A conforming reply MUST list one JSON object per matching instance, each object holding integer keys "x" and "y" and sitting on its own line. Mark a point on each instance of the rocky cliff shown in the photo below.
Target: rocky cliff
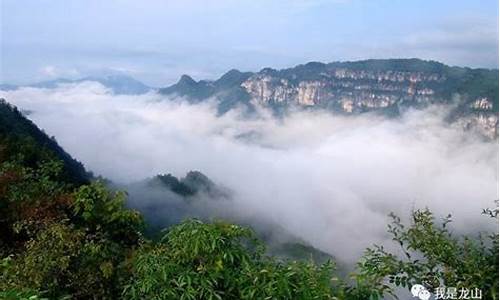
{"x": 387, "y": 86}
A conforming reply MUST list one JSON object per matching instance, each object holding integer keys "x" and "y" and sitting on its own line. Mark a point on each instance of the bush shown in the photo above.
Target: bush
{"x": 432, "y": 256}
{"x": 221, "y": 261}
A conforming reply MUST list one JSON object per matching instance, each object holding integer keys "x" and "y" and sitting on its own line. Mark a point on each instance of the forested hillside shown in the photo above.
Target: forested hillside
{"x": 65, "y": 236}
{"x": 23, "y": 140}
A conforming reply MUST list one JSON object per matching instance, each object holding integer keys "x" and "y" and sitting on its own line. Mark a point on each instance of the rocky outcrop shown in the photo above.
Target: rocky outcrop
{"x": 347, "y": 90}
{"x": 356, "y": 87}
{"x": 483, "y": 104}
{"x": 484, "y": 124}
{"x": 266, "y": 90}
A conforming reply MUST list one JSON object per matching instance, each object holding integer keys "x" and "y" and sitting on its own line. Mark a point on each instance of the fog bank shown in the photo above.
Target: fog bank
{"x": 329, "y": 179}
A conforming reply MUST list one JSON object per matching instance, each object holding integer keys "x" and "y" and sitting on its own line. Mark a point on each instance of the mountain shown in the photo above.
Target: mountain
{"x": 384, "y": 85}
{"x": 194, "y": 183}
{"x": 227, "y": 90}
{"x": 121, "y": 84}
{"x": 165, "y": 200}
{"x": 8, "y": 87}
{"x": 23, "y": 140}
{"x": 118, "y": 83}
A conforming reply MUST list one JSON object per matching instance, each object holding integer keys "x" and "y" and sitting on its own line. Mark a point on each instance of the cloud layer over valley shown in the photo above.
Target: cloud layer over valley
{"x": 329, "y": 179}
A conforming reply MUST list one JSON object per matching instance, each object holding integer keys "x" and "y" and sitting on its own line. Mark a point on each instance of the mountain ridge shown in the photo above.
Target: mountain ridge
{"x": 382, "y": 85}
{"x": 21, "y": 138}
{"x": 119, "y": 84}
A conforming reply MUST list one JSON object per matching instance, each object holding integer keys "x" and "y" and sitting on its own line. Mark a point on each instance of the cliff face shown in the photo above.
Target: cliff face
{"x": 356, "y": 87}
{"x": 348, "y": 90}
{"x": 266, "y": 89}
{"x": 485, "y": 124}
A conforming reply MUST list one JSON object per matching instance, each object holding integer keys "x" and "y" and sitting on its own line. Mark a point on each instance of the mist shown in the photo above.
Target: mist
{"x": 329, "y": 179}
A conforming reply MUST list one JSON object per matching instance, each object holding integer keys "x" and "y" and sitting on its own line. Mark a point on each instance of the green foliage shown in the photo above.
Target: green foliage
{"x": 299, "y": 251}
{"x": 20, "y": 295}
{"x": 76, "y": 256}
{"x": 221, "y": 261}
{"x": 45, "y": 265}
{"x": 23, "y": 141}
{"x": 58, "y": 243}
{"x": 10, "y": 293}
{"x": 64, "y": 238}
{"x": 30, "y": 198}
{"x": 98, "y": 210}
{"x": 432, "y": 256}
{"x": 174, "y": 184}
{"x": 32, "y": 184}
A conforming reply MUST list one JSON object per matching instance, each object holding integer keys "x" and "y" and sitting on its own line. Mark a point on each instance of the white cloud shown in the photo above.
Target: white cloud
{"x": 49, "y": 72}
{"x": 332, "y": 180}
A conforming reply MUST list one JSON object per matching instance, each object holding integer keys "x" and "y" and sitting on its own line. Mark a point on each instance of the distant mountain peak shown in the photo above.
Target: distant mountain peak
{"x": 120, "y": 84}
{"x": 186, "y": 79}
{"x": 268, "y": 71}
{"x": 194, "y": 183}
{"x": 232, "y": 78}
{"x": 314, "y": 64}
{"x": 232, "y": 71}
{"x": 230, "y": 75}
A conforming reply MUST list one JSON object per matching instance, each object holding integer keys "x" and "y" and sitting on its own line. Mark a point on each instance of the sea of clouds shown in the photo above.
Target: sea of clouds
{"x": 329, "y": 179}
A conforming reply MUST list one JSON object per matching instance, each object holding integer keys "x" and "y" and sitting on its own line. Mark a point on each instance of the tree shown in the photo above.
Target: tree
{"x": 197, "y": 260}
{"x": 432, "y": 256}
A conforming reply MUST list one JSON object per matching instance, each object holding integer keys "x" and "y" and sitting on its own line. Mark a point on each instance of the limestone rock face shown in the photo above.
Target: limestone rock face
{"x": 482, "y": 104}
{"x": 311, "y": 93}
{"x": 344, "y": 89}
{"x": 387, "y": 86}
{"x": 484, "y": 124}
{"x": 265, "y": 89}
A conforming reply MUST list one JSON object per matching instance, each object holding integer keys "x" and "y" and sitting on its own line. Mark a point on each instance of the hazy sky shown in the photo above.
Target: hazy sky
{"x": 157, "y": 41}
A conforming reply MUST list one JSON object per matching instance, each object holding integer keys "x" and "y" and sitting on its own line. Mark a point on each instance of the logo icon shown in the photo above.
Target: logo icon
{"x": 418, "y": 290}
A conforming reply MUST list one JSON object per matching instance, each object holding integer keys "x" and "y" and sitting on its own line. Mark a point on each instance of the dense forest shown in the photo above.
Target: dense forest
{"x": 66, "y": 235}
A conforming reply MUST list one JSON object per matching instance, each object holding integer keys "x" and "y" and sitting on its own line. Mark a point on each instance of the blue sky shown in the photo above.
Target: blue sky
{"x": 157, "y": 41}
